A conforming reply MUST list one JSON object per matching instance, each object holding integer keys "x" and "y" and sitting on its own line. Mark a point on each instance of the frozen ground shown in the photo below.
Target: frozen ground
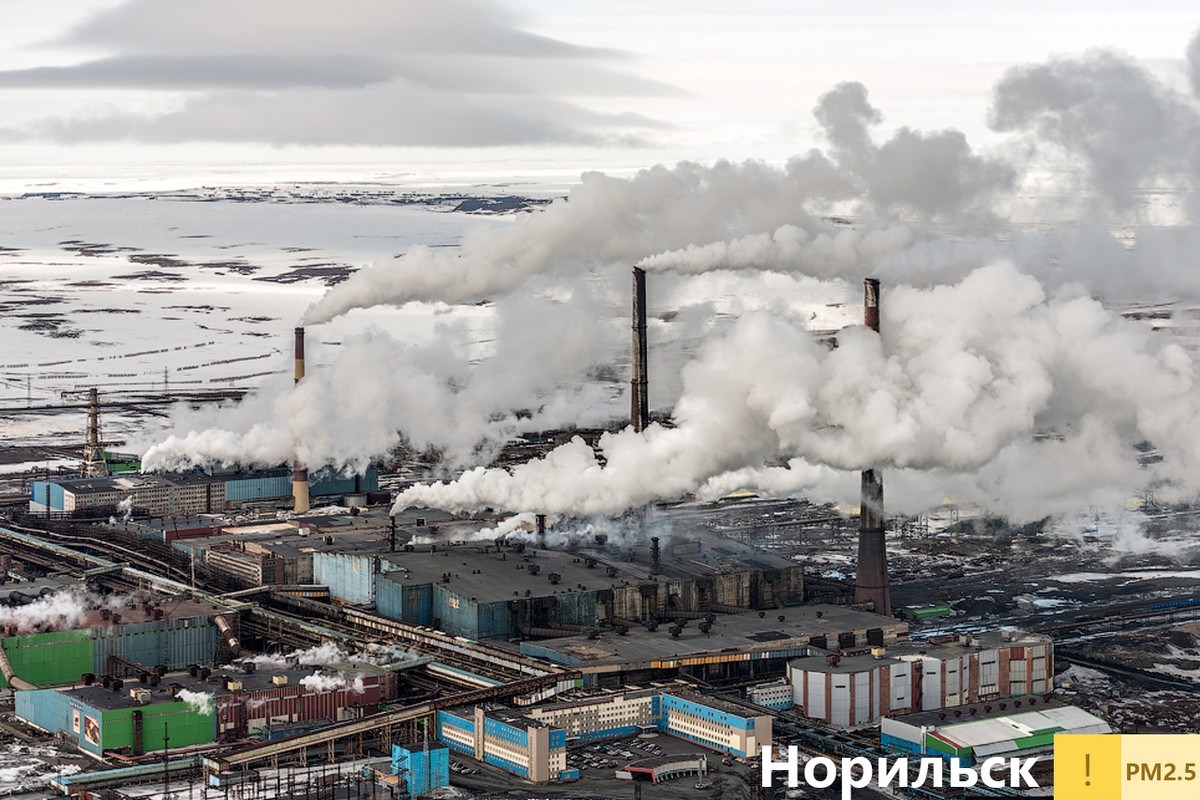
{"x": 157, "y": 292}
{"x": 153, "y": 293}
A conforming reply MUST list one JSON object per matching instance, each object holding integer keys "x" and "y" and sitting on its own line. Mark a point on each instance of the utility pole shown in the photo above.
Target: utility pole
{"x": 166, "y": 748}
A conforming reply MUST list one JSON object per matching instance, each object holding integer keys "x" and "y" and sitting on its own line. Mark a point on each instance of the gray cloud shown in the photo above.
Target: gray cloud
{"x": 928, "y": 174}
{"x": 203, "y": 73}
{"x": 1102, "y": 109}
{"x": 379, "y": 72}
{"x": 394, "y": 114}
{"x": 1193, "y": 60}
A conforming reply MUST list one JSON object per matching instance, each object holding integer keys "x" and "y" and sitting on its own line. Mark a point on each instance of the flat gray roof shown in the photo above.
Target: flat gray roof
{"x": 99, "y": 697}
{"x": 729, "y": 632}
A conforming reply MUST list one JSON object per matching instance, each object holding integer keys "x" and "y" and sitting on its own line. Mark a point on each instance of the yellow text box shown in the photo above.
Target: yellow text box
{"x": 1127, "y": 767}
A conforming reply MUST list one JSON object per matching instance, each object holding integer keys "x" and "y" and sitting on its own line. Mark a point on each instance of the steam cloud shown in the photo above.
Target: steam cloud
{"x": 322, "y": 655}
{"x": 332, "y": 681}
{"x": 999, "y": 376}
{"x": 200, "y": 702}
{"x": 65, "y": 609}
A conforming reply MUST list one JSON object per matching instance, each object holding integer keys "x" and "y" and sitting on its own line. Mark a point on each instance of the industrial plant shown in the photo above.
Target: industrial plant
{"x": 270, "y": 627}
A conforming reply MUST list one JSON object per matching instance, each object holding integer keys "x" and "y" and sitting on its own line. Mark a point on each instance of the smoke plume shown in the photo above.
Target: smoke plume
{"x": 964, "y": 376}
{"x": 200, "y": 702}
{"x": 332, "y": 681}
{"x": 1004, "y": 373}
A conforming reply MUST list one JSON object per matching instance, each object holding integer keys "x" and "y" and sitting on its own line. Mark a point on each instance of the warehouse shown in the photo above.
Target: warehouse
{"x": 200, "y": 706}
{"x": 727, "y": 648}
{"x": 185, "y": 493}
{"x": 920, "y": 676}
{"x": 174, "y": 632}
{"x": 1020, "y": 726}
{"x": 503, "y": 591}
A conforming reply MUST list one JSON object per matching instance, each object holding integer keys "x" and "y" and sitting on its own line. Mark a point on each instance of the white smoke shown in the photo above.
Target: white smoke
{"x": 333, "y": 681}
{"x": 962, "y": 379}
{"x": 126, "y": 509}
{"x": 200, "y": 702}
{"x": 65, "y": 609}
{"x": 321, "y": 655}
{"x": 998, "y": 377}
{"x": 435, "y": 395}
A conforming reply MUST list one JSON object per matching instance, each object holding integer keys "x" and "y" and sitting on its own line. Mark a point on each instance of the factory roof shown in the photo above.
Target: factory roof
{"x": 729, "y": 632}
{"x": 488, "y": 573}
{"x": 947, "y": 646}
{"x": 974, "y": 712}
{"x": 953, "y": 647}
{"x": 134, "y": 481}
{"x": 1000, "y": 730}
{"x": 715, "y": 703}
{"x": 97, "y": 696}
{"x": 843, "y": 665}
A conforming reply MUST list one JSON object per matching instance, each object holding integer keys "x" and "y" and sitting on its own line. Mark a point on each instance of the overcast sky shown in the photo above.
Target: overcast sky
{"x": 89, "y": 84}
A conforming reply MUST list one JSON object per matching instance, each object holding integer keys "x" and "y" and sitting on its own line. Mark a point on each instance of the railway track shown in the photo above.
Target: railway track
{"x": 1133, "y": 673}
{"x": 139, "y": 556}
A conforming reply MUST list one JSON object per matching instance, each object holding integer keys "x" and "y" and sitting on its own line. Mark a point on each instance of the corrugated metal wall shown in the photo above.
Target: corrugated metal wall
{"x": 175, "y": 643}
{"x": 456, "y": 614}
{"x": 57, "y": 497}
{"x": 183, "y": 724}
{"x": 326, "y": 483}
{"x": 258, "y": 488}
{"x": 494, "y": 621}
{"x": 578, "y": 608}
{"x": 45, "y": 708}
{"x": 396, "y": 598}
{"x": 350, "y": 577}
{"x": 48, "y": 659}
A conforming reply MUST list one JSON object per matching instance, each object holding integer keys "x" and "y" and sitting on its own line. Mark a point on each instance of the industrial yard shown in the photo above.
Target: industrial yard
{"x": 232, "y": 625}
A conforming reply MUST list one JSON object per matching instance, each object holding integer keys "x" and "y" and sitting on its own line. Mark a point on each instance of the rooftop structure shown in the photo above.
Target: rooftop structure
{"x": 969, "y": 735}
{"x": 798, "y": 628}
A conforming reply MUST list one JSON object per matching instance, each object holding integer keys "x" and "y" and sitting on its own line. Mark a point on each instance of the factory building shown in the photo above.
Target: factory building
{"x": 533, "y": 744}
{"x": 513, "y": 742}
{"x": 484, "y": 590}
{"x": 1017, "y": 727}
{"x": 423, "y": 766}
{"x": 735, "y": 647}
{"x": 776, "y": 695}
{"x": 855, "y": 690}
{"x": 501, "y": 591}
{"x": 185, "y": 493}
{"x": 177, "y": 634}
{"x": 133, "y": 717}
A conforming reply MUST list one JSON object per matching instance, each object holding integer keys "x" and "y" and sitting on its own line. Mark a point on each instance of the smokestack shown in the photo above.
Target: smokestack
{"x": 299, "y": 472}
{"x": 541, "y": 531}
{"x": 655, "y": 556}
{"x": 639, "y": 396}
{"x": 872, "y": 581}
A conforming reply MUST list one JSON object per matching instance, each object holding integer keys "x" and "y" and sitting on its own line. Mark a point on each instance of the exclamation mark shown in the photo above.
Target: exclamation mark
{"x": 1087, "y": 768}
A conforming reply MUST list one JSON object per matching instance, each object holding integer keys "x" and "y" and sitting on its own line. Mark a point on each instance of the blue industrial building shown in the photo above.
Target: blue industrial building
{"x": 182, "y": 493}
{"x": 532, "y": 744}
{"x": 424, "y": 766}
